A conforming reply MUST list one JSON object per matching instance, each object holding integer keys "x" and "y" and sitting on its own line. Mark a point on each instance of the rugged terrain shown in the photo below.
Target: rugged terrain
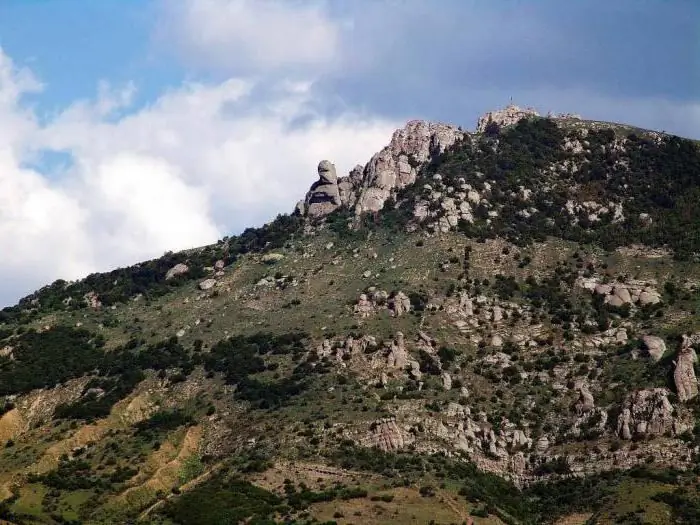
{"x": 497, "y": 326}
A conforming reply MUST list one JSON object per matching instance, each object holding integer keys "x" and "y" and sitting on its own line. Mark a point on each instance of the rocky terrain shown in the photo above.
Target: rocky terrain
{"x": 497, "y": 326}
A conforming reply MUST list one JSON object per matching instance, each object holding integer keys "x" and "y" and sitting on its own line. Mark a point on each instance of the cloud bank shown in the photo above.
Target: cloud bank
{"x": 202, "y": 161}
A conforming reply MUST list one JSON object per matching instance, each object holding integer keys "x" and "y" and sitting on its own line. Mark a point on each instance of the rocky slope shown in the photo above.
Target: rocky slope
{"x": 502, "y": 323}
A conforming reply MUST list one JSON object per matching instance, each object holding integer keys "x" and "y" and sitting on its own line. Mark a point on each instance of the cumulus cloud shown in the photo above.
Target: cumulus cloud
{"x": 251, "y": 35}
{"x": 200, "y": 162}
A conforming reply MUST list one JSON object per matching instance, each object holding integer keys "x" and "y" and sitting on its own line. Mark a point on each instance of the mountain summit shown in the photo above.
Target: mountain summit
{"x": 497, "y": 326}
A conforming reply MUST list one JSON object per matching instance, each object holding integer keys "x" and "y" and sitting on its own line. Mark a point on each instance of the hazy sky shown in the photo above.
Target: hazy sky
{"x": 133, "y": 127}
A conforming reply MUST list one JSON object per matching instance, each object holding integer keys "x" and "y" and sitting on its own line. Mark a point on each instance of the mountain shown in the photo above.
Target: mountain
{"x": 497, "y": 326}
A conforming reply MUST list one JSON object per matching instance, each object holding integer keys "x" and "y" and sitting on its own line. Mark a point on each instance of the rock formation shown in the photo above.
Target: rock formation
{"x": 511, "y": 114}
{"x": 394, "y": 167}
{"x": 324, "y": 195}
{"x": 655, "y": 346}
{"x": 386, "y": 435}
{"x": 647, "y": 413}
{"x": 684, "y": 373}
{"x": 400, "y": 304}
{"x": 585, "y": 402}
{"x": 178, "y": 269}
{"x": 207, "y": 284}
{"x": 92, "y": 300}
{"x": 398, "y": 356}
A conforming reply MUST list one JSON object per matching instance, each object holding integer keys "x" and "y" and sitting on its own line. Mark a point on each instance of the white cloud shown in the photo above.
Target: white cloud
{"x": 258, "y": 35}
{"x": 200, "y": 162}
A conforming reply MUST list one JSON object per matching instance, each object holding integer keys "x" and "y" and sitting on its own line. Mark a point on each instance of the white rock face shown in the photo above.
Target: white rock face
{"x": 511, "y": 114}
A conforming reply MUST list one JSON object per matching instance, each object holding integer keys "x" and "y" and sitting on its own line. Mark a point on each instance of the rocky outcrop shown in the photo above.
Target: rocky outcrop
{"x": 396, "y": 166}
{"x": 177, "y": 270}
{"x": 684, "y": 373}
{"x": 386, "y": 435}
{"x": 655, "y": 346}
{"x": 507, "y": 116}
{"x": 398, "y": 356}
{"x": 370, "y": 302}
{"x": 647, "y": 413}
{"x": 399, "y": 304}
{"x": 585, "y": 402}
{"x": 7, "y": 351}
{"x": 620, "y": 294}
{"x": 324, "y": 195}
{"x": 92, "y": 300}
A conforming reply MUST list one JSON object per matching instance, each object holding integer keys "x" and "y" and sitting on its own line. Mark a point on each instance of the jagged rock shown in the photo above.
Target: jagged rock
{"x": 400, "y": 304}
{"x": 446, "y": 381}
{"x": 684, "y": 373}
{"x": 586, "y": 402}
{"x": 92, "y": 300}
{"x": 207, "y": 284}
{"x": 364, "y": 307}
{"x": 511, "y": 114}
{"x": 646, "y": 413}
{"x": 398, "y": 356}
{"x": 466, "y": 305}
{"x": 219, "y": 265}
{"x": 497, "y": 313}
{"x": 655, "y": 346}
{"x": 496, "y": 340}
{"x": 178, "y": 269}
{"x": 415, "y": 370}
{"x": 395, "y": 166}
{"x": 386, "y": 435}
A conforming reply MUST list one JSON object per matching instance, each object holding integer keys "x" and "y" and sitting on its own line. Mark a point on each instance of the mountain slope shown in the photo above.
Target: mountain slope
{"x": 498, "y": 326}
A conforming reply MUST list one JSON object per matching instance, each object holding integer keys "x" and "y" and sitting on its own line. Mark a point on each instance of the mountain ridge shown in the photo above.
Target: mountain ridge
{"x": 514, "y": 331}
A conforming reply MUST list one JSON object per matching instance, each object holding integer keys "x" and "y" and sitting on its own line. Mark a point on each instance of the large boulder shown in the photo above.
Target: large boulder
{"x": 178, "y": 269}
{"x": 655, "y": 346}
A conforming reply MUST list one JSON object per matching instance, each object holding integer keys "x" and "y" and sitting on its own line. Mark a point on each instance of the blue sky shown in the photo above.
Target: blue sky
{"x": 131, "y": 127}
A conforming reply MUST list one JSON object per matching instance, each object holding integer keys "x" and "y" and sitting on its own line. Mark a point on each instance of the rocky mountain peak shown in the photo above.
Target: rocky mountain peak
{"x": 367, "y": 188}
{"x": 507, "y": 116}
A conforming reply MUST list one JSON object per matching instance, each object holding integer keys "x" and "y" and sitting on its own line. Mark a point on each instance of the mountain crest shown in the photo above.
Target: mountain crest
{"x": 394, "y": 167}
